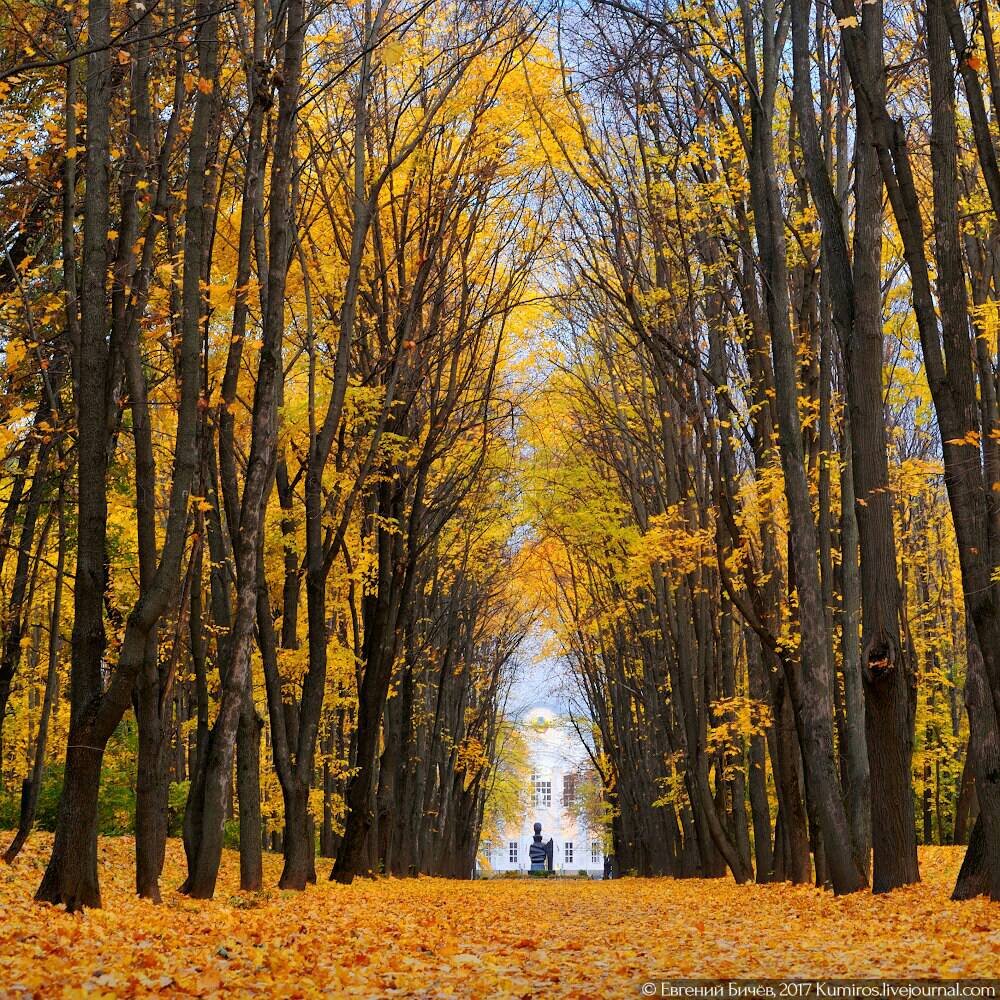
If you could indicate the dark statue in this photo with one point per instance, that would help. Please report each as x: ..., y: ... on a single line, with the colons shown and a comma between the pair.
x: 539, y: 853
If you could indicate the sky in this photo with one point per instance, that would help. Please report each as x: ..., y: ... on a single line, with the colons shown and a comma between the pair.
x: 540, y: 680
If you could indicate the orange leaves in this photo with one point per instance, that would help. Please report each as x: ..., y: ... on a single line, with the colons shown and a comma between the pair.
x: 433, y: 937
x: 971, y: 439
x: 191, y: 82
x: 15, y: 351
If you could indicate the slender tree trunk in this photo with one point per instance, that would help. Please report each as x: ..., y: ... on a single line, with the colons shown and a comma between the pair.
x: 857, y: 314
x: 14, y: 618
x: 29, y: 798
x: 857, y: 783
x: 210, y: 791
x: 760, y: 808
x: 151, y: 794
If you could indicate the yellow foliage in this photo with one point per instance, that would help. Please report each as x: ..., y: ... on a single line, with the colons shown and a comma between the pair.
x: 673, y: 541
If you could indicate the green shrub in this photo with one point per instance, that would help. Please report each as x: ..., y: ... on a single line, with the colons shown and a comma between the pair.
x: 231, y: 834
x: 176, y: 801
x: 48, y: 802
x: 116, y: 801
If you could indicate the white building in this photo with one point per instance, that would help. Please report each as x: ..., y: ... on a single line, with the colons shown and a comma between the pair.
x: 557, y: 758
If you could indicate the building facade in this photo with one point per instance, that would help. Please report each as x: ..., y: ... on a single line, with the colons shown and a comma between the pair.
x: 557, y: 759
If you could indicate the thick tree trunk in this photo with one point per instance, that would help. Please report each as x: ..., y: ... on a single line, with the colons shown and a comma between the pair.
x: 371, y: 698
x: 71, y: 875
x: 299, y: 841
x: 381, y: 618
x: 151, y: 786
x: 974, y: 875
x: 887, y: 663
x: 794, y: 851
x: 978, y: 873
x: 943, y: 322
x: 965, y: 806
x: 248, y: 793
x: 209, y: 797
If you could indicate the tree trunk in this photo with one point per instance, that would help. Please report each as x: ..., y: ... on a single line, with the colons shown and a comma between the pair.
x: 248, y: 792
x: 371, y: 698
x: 151, y: 793
x: 857, y: 314
x: 857, y: 783
x: 299, y: 841
x: 71, y: 875
x: 29, y: 797
x: 809, y: 683
x: 210, y: 790
x: 965, y: 806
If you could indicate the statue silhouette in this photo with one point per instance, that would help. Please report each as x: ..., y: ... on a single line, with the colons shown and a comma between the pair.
x: 539, y: 853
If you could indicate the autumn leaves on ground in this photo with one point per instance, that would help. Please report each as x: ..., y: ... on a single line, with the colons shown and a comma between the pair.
x: 442, y: 938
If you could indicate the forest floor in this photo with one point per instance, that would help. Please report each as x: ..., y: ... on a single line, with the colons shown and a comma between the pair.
x: 438, y: 938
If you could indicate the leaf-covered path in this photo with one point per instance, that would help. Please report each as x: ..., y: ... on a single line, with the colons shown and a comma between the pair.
x: 432, y: 937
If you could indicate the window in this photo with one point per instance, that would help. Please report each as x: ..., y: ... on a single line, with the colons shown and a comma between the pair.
x: 543, y: 792
x: 512, y: 852
x: 568, y: 852
x: 569, y: 789
x: 595, y: 851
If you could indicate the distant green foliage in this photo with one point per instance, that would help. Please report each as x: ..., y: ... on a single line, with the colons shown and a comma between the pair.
x: 176, y: 801
x: 116, y: 804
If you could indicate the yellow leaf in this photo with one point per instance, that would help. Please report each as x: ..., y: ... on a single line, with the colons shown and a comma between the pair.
x: 392, y: 53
